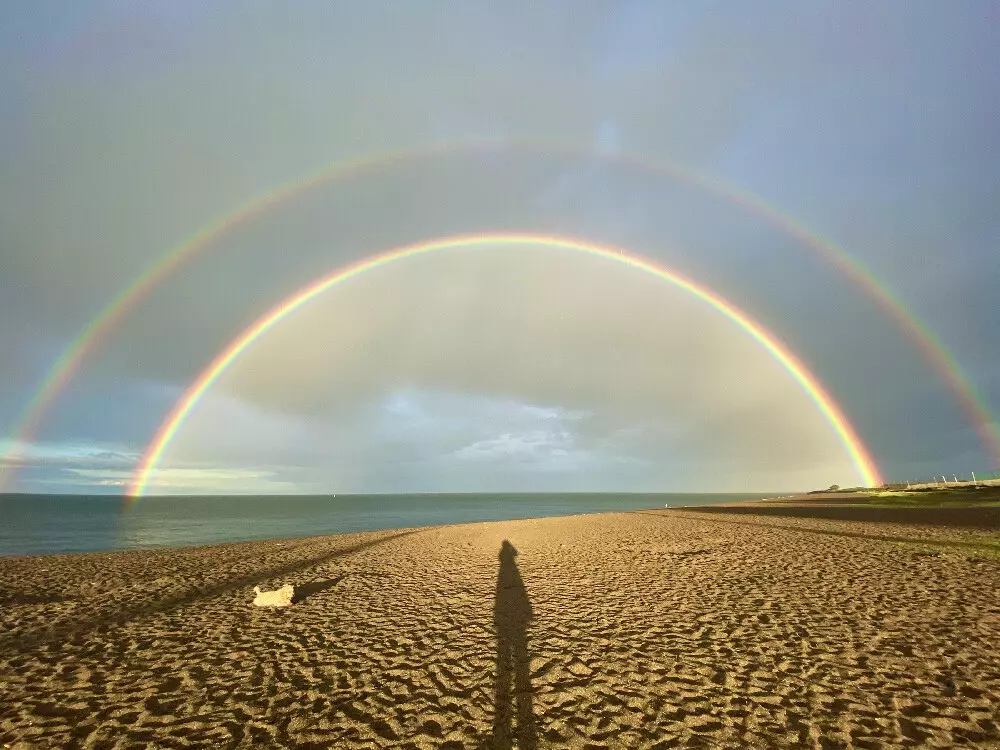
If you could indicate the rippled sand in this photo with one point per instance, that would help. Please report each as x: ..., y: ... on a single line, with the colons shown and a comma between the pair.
x: 673, y: 628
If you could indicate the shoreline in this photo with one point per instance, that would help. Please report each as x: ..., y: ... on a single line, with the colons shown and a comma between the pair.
x: 806, y: 504
x: 57, y: 525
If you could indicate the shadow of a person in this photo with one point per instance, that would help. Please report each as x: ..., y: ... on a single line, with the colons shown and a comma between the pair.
x: 511, y: 614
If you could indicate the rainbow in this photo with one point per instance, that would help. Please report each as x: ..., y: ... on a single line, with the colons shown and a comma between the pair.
x: 860, y: 456
x: 103, y: 325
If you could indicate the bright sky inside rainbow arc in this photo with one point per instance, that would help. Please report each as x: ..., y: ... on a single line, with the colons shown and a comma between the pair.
x: 859, y: 454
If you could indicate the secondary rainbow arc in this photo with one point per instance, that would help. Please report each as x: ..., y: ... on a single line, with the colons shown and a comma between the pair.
x: 859, y: 454
x: 102, y: 325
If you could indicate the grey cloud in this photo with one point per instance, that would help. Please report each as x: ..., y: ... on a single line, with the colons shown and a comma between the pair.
x: 63, y: 458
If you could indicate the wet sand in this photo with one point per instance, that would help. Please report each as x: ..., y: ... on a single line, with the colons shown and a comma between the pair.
x: 670, y: 628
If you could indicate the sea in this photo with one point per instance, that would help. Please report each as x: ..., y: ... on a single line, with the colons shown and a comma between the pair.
x: 50, y: 524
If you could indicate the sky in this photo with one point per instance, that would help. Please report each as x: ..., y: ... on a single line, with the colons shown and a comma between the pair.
x: 660, y: 130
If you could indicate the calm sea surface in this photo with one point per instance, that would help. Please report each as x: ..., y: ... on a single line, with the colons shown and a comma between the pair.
x: 44, y: 524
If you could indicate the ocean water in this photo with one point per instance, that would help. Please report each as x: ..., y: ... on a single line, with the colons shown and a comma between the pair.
x: 48, y: 524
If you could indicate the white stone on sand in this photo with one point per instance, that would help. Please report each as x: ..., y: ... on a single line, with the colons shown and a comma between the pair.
x: 278, y: 598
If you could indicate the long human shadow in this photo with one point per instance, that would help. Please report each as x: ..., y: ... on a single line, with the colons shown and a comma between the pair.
x: 511, y: 615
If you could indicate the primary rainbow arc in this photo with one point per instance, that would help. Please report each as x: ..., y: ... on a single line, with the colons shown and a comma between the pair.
x: 859, y: 454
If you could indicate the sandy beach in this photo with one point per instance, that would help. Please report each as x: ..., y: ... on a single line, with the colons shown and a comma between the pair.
x: 720, y: 627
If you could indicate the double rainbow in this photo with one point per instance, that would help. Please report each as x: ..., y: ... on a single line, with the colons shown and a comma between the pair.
x: 103, y: 325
